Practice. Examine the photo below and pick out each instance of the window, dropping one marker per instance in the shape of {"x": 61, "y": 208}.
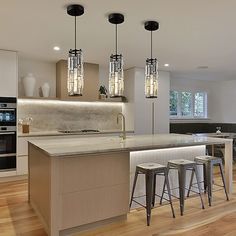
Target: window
{"x": 185, "y": 104}
{"x": 173, "y": 103}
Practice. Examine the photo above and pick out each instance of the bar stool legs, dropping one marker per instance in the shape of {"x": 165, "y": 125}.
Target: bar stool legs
{"x": 182, "y": 168}
{"x": 151, "y": 170}
{"x": 208, "y": 162}
{"x": 149, "y": 177}
{"x": 169, "y": 193}
{"x": 182, "y": 178}
{"x": 198, "y": 184}
{"x": 134, "y": 185}
{"x": 223, "y": 180}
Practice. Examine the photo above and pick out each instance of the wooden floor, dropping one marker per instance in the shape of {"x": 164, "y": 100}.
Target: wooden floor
{"x": 18, "y": 218}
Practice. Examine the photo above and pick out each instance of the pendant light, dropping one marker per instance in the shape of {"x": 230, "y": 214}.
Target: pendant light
{"x": 151, "y": 68}
{"x": 116, "y": 73}
{"x": 75, "y": 79}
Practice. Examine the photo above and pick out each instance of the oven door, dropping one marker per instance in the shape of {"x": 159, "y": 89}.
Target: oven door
{"x": 7, "y": 117}
{"x": 7, "y": 151}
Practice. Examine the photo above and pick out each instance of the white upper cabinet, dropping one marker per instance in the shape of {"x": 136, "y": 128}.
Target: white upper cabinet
{"x": 8, "y": 74}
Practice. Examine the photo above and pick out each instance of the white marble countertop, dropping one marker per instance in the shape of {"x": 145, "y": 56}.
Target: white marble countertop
{"x": 69, "y": 146}
{"x": 217, "y": 135}
{"x": 57, "y": 133}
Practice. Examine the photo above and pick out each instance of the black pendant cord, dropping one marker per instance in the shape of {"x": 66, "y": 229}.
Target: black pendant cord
{"x": 75, "y": 36}
{"x": 116, "y": 39}
{"x": 151, "y": 44}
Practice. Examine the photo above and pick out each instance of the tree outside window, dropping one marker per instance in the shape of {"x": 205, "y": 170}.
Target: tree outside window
{"x": 185, "y": 104}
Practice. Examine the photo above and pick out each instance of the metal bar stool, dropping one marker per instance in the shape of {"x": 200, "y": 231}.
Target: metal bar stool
{"x": 182, "y": 166}
{"x": 208, "y": 162}
{"x": 151, "y": 170}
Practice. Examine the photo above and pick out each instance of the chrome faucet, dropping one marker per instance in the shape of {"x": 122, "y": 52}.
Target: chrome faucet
{"x": 123, "y": 135}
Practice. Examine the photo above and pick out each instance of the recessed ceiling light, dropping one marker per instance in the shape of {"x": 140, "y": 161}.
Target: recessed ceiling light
{"x": 56, "y": 48}
{"x": 166, "y": 65}
{"x": 202, "y": 67}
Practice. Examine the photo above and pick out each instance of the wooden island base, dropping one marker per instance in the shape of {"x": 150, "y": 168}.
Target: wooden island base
{"x": 86, "y": 189}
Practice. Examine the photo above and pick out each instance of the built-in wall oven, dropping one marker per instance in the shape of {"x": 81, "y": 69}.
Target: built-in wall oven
{"x": 8, "y": 114}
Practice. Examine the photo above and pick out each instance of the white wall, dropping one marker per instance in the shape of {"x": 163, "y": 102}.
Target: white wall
{"x": 46, "y": 72}
{"x": 226, "y": 102}
{"x": 43, "y": 72}
{"x": 8, "y": 73}
{"x": 103, "y": 76}
{"x": 138, "y": 110}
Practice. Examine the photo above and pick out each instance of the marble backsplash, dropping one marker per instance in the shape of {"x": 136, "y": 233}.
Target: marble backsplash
{"x": 50, "y": 115}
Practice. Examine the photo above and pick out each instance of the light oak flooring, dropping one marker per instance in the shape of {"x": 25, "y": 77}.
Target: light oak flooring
{"x": 18, "y": 218}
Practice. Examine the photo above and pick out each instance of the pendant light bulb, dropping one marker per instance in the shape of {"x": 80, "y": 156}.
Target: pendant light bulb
{"x": 75, "y": 78}
{"x": 151, "y": 68}
{"x": 116, "y": 71}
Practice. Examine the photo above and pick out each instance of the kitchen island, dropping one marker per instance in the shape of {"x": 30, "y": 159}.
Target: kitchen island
{"x": 76, "y": 184}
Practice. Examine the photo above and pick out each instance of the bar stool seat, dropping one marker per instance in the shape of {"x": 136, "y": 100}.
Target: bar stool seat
{"x": 150, "y": 166}
{"x": 208, "y": 162}
{"x": 150, "y": 170}
{"x": 182, "y": 166}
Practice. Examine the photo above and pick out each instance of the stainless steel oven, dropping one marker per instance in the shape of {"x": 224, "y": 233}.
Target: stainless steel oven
{"x": 7, "y": 150}
{"x": 7, "y": 111}
{"x": 8, "y": 133}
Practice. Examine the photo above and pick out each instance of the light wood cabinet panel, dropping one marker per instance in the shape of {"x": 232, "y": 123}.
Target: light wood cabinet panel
{"x": 91, "y": 82}
{"x": 22, "y": 165}
{"x": 8, "y": 73}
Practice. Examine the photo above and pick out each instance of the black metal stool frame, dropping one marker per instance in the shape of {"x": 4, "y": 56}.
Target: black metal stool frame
{"x": 150, "y": 179}
{"x": 208, "y": 178}
{"x": 182, "y": 184}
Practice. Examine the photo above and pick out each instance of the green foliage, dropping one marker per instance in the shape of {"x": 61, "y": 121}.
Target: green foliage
{"x": 103, "y": 90}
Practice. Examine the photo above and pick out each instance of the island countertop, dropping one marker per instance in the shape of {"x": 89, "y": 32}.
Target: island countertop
{"x": 91, "y": 145}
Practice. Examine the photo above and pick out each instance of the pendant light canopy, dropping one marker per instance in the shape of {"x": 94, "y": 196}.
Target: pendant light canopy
{"x": 116, "y": 73}
{"x": 75, "y": 79}
{"x": 151, "y": 68}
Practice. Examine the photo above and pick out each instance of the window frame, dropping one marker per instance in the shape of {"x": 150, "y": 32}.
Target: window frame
{"x": 192, "y": 116}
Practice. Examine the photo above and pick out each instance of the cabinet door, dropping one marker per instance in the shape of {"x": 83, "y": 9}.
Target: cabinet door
{"x": 8, "y": 74}
{"x": 91, "y": 82}
{"x": 22, "y": 165}
{"x": 22, "y": 146}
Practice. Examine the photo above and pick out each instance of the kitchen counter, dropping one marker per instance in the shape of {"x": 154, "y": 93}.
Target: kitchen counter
{"x": 58, "y": 133}
{"x": 217, "y": 135}
{"x": 78, "y": 183}
{"x": 93, "y": 145}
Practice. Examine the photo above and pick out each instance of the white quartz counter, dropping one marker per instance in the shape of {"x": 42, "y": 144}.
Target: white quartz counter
{"x": 69, "y": 146}
{"x": 57, "y": 133}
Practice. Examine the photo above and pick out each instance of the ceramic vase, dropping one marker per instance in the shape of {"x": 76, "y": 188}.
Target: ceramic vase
{"x": 29, "y": 85}
{"x": 45, "y": 89}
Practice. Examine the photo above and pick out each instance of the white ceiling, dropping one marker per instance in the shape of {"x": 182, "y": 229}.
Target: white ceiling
{"x": 192, "y": 33}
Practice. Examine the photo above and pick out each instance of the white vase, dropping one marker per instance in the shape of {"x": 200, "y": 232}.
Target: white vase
{"x": 29, "y": 85}
{"x": 45, "y": 89}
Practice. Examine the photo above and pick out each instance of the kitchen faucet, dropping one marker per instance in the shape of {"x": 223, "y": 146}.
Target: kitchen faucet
{"x": 123, "y": 135}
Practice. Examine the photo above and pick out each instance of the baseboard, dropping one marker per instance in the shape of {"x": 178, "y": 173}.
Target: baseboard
{"x": 13, "y": 178}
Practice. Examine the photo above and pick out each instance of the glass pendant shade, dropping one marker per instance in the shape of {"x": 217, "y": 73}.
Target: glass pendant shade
{"x": 116, "y": 72}
{"x": 116, "y": 76}
{"x": 75, "y": 80}
{"x": 151, "y": 67}
{"x": 75, "y": 77}
{"x": 151, "y": 78}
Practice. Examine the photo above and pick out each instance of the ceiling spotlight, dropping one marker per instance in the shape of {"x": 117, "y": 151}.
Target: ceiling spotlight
{"x": 56, "y": 48}
{"x": 202, "y": 67}
{"x": 166, "y": 65}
